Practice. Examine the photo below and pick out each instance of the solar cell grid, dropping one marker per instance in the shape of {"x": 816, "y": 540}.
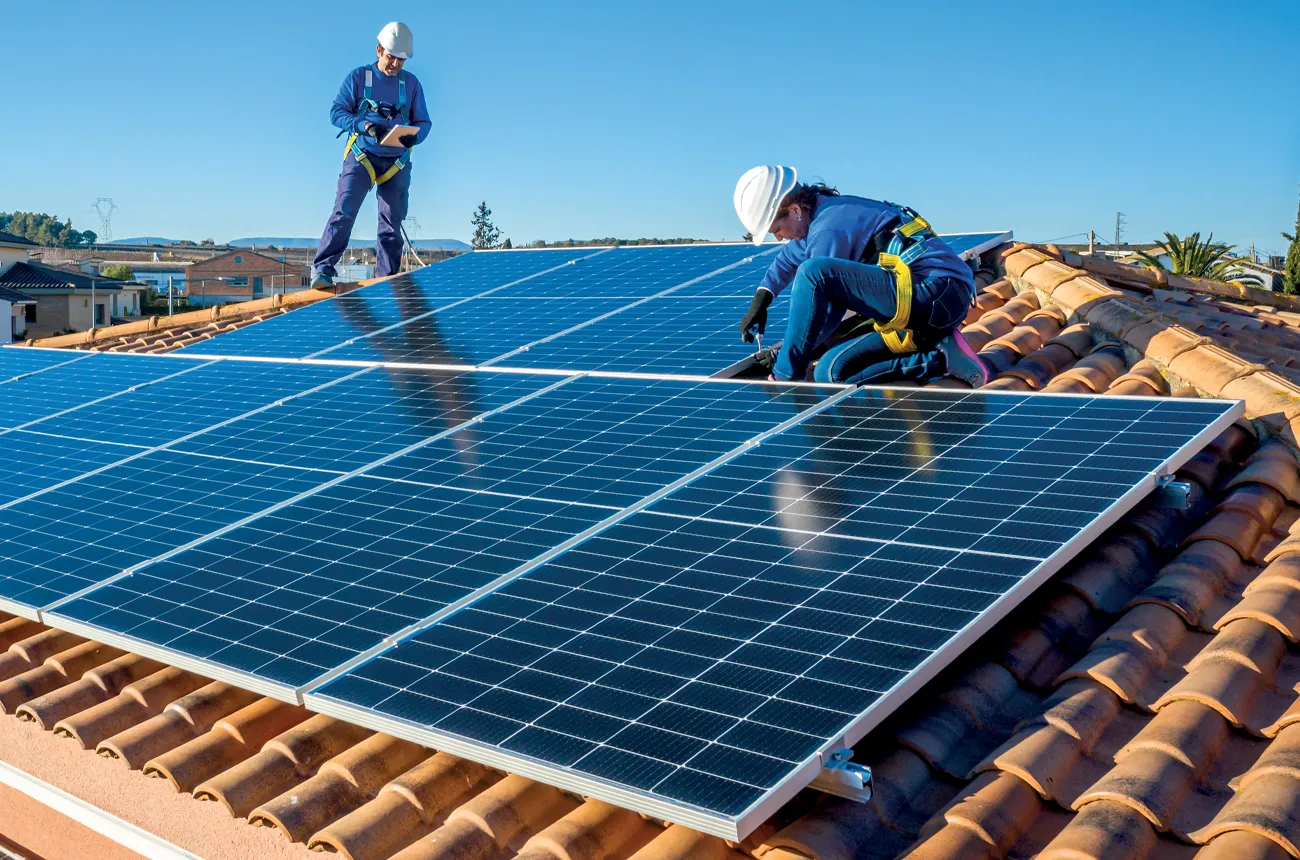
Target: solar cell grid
{"x": 669, "y": 335}
{"x": 701, "y": 650}
{"x": 43, "y": 460}
{"x": 19, "y": 360}
{"x": 1011, "y": 475}
{"x": 79, "y": 382}
{"x": 69, "y": 538}
{"x": 304, "y": 331}
{"x": 630, "y": 272}
{"x": 602, "y": 441}
{"x": 467, "y": 275}
{"x": 363, "y": 418}
{"x": 474, "y": 331}
{"x": 306, "y": 587}
{"x": 208, "y": 394}
{"x": 698, "y": 661}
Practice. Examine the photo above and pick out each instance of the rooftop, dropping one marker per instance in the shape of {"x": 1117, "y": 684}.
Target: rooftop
{"x": 11, "y": 239}
{"x": 1142, "y": 704}
{"x": 36, "y": 276}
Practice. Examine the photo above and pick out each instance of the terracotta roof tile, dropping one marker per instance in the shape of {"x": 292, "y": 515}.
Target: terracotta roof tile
{"x": 57, "y": 670}
{"x": 594, "y": 831}
{"x": 1103, "y": 831}
{"x": 95, "y": 687}
{"x": 342, "y": 785}
{"x": 183, "y": 720}
{"x": 136, "y": 702}
{"x": 1243, "y": 845}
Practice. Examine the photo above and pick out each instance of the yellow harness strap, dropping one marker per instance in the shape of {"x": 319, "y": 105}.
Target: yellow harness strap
{"x": 896, "y": 334}
{"x": 360, "y": 155}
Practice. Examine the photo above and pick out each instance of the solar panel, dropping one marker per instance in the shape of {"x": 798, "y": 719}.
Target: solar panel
{"x": 474, "y": 331}
{"x": 695, "y": 668}
{"x": 76, "y": 383}
{"x": 970, "y": 245}
{"x": 306, "y": 587}
{"x": 38, "y": 461}
{"x": 207, "y": 394}
{"x": 670, "y": 335}
{"x": 19, "y": 361}
{"x": 602, "y": 441}
{"x": 68, "y": 538}
{"x": 468, "y": 274}
{"x": 358, "y": 561}
{"x": 631, "y": 272}
{"x": 364, "y": 417}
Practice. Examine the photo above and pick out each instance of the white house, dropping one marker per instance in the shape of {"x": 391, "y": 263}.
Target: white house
{"x": 13, "y": 249}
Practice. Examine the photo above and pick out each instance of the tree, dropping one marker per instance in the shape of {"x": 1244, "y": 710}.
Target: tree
{"x": 120, "y": 272}
{"x": 748, "y": 237}
{"x": 1194, "y": 258}
{"x": 506, "y": 246}
{"x": 1291, "y": 269}
{"x": 486, "y": 235}
{"x": 45, "y": 230}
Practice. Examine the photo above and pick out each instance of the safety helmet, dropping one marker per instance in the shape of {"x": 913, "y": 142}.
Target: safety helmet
{"x": 759, "y": 194}
{"x": 396, "y": 40}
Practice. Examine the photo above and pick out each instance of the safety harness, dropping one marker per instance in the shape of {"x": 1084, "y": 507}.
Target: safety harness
{"x": 895, "y": 250}
{"x": 386, "y": 111}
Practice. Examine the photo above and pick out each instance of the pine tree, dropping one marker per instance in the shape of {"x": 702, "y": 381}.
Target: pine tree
{"x": 1291, "y": 269}
{"x": 486, "y": 235}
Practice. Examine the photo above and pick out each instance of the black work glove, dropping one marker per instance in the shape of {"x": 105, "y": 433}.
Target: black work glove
{"x": 376, "y": 131}
{"x": 408, "y": 140}
{"x": 755, "y": 319}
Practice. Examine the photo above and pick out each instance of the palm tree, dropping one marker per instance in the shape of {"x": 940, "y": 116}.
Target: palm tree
{"x": 1194, "y": 258}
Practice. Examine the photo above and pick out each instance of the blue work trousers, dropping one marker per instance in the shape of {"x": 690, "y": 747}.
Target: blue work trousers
{"x": 354, "y": 185}
{"x": 825, "y": 288}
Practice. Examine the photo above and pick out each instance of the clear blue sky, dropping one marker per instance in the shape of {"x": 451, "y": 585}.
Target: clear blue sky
{"x": 635, "y": 119}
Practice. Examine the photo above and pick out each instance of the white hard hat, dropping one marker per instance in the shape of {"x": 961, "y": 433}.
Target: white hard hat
{"x": 758, "y": 195}
{"x": 396, "y": 39}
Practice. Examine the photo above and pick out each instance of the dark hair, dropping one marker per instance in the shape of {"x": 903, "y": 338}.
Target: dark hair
{"x": 805, "y": 195}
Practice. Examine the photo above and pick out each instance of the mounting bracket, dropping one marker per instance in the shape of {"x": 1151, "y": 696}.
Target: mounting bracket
{"x": 843, "y": 778}
{"x": 1172, "y": 494}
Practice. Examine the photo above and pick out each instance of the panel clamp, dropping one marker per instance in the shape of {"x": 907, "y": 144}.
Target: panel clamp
{"x": 1171, "y": 493}
{"x": 843, "y": 778}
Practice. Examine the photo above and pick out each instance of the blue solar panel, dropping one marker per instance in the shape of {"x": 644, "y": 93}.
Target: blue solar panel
{"x": 602, "y": 441}
{"x": 971, "y": 245}
{"x": 670, "y": 335}
{"x": 475, "y": 331}
{"x": 20, "y": 360}
{"x": 210, "y": 393}
{"x": 365, "y": 417}
{"x": 303, "y": 589}
{"x": 702, "y": 661}
{"x": 38, "y": 461}
{"x": 631, "y": 272}
{"x": 468, "y": 275}
{"x": 63, "y": 540}
{"x": 305, "y": 331}
{"x": 79, "y": 382}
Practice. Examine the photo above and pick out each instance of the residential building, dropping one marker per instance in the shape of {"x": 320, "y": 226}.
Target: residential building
{"x": 238, "y": 276}
{"x": 155, "y": 273}
{"x": 13, "y": 249}
{"x": 13, "y": 314}
{"x": 64, "y": 298}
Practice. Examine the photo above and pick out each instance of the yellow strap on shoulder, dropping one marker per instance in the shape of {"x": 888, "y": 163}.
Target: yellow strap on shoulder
{"x": 896, "y": 334}
{"x": 916, "y": 225}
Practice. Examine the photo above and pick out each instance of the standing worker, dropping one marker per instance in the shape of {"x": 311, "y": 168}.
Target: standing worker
{"x": 849, "y": 253}
{"x": 373, "y": 100}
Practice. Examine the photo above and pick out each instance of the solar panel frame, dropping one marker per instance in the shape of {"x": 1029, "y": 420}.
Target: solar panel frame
{"x": 738, "y": 826}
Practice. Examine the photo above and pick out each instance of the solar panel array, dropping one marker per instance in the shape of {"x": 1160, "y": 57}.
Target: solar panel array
{"x": 673, "y": 593}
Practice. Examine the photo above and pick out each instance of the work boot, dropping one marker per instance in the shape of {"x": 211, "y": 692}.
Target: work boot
{"x": 322, "y": 281}
{"x": 962, "y": 361}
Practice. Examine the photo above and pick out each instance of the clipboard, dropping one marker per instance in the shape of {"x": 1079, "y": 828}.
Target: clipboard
{"x": 396, "y": 133}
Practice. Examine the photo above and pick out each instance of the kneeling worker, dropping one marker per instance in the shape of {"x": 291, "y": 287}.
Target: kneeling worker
{"x": 850, "y": 253}
{"x": 373, "y": 100}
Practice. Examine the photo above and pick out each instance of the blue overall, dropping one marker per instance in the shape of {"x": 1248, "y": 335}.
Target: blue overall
{"x": 351, "y": 113}
{"x": 826, "y": 281}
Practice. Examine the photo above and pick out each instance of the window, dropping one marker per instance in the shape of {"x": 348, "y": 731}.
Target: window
{"x": 238, "y": 260}
{"x": 235, "y": 282}
{"x": 29, "y": 313}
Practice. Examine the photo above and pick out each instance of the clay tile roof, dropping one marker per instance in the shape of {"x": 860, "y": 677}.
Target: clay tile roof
{"x": 1141, "y": 704}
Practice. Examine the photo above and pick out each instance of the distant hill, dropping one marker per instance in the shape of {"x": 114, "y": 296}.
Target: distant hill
{"x": 144, "y": 240}
{"x": 283, "y": 242}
